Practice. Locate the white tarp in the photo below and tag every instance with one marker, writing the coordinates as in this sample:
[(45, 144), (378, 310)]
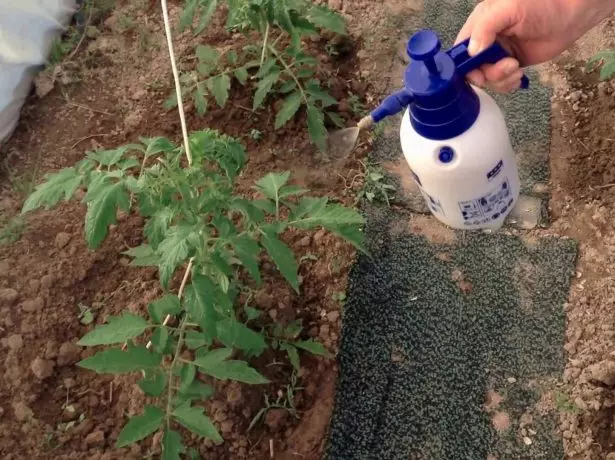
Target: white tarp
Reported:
[(27, 29)]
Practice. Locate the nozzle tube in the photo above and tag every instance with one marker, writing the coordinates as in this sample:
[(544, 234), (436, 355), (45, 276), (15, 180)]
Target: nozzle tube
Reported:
[(392, 105)]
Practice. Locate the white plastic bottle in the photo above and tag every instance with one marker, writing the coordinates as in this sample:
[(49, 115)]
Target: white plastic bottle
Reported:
[(454, 136)]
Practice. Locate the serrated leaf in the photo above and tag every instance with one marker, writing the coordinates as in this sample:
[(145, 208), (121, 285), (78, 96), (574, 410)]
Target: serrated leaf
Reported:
[(231, 57), (102, 212), (247, 251), (239, 371), (241, 74), (291, 190), (172, 445), (187, 16), (608, 69), (193, 454), (316, 348), (247, 208), (316, 127), (114, 361), (220, 87), (168, 304), (197, 422), (203, 299), (266, 67), (170, 102), (318, 94), (293, 355), (329, 216), (207, 54), (153, 384), (282, 16), (141, 426), (264, 88), (305, 73), (58, 186), (206, 15), (212, 358), (283, 257), (119, 329), (265, 205), (143, 256), (270, 184), (174, 250), (324, 18), (157, 145), (157, 225), (234, 334), (200, 102), (289, 109), (196, 339)]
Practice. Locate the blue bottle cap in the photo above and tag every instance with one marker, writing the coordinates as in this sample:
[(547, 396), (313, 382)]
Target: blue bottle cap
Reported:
[(442, 103)]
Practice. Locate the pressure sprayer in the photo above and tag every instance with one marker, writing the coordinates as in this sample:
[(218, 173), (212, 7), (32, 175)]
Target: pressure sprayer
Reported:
[(453, 135)]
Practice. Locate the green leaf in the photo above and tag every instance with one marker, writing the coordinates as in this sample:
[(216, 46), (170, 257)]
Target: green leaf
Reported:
[(116, 361), (247, 251), (283, 257), (318, 94), (270, 184), (212, 358), (267, 67), (102, 211), (231, 57), (186, 376), (336, 119), (143, 256), (207, 54), (330, 216), (205, 302), (168, 304), (197, 390), (56, 186), (141, 426), (197, 422), (291, 190), (172, 445), (264, 88), (316, 348), (174, 250), (187, 15), (247, 208), (220, 87), (325, 18), (241, 74), (251, 313), (608, 69), (171, 102), (157, 226), (196, 339), (234, 370), (119, 329), (160, 339), (200, 102), (288, 109), (282, 16), (234, 334), (154, 383), (288, 86), (157, 145), (316, 127), (292, 353), (206, 15), (193, 454)]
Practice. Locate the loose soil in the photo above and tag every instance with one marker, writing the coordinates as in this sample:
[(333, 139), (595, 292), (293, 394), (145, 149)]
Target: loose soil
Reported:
[(112, 94)]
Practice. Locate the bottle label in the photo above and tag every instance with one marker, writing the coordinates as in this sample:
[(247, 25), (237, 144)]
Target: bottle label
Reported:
[(434, 204), (488, 207)]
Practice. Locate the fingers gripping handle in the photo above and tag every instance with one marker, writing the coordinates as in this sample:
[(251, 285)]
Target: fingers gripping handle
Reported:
[(466, 63)]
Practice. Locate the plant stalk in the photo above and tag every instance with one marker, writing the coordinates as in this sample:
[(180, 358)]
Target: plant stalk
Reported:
[(289, 71)]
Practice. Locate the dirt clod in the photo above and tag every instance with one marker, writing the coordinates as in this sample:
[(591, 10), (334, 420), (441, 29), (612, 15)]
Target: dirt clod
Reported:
[(22, 411), (15, 341), (276, 418), (42, 368), (8, 296), (602, 372), (33, 305), (62, 240), (95, 438), (69, 353)]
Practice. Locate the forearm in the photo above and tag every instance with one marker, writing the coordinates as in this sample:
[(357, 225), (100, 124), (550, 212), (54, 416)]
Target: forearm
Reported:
[(589, 13)]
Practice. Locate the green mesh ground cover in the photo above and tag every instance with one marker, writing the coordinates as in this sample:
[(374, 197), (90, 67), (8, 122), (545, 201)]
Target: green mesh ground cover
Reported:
[(430, 329), (419, 353)]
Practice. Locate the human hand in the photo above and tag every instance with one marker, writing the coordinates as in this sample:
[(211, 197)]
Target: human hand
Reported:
[(533, 31)]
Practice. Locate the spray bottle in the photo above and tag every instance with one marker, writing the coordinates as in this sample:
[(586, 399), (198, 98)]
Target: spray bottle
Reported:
[(454, 136)]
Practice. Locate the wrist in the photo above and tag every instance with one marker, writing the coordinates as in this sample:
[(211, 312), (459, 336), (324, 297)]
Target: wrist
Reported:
[(587, 14)]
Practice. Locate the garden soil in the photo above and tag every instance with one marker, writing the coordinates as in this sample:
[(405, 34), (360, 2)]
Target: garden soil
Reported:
[(113, 92)]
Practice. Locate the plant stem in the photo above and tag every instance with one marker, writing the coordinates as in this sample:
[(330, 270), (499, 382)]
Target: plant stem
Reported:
[(265, 44), (289, 71), (178, 90)]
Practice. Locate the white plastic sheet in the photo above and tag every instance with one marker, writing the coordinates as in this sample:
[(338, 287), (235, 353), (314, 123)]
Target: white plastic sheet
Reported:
[(27, 30)]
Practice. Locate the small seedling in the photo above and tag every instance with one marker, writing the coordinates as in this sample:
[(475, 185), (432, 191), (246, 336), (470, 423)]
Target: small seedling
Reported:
[(375, 186), (11, 230), (86, 315), (606, 60), (356, 106), (285, 400), (564, 404), (339, 296), (256, 134)]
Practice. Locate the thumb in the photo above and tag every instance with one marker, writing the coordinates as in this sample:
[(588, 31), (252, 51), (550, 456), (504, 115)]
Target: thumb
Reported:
[(488, 20)]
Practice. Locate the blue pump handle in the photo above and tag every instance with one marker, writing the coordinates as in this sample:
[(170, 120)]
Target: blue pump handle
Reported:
[(465, 63)]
